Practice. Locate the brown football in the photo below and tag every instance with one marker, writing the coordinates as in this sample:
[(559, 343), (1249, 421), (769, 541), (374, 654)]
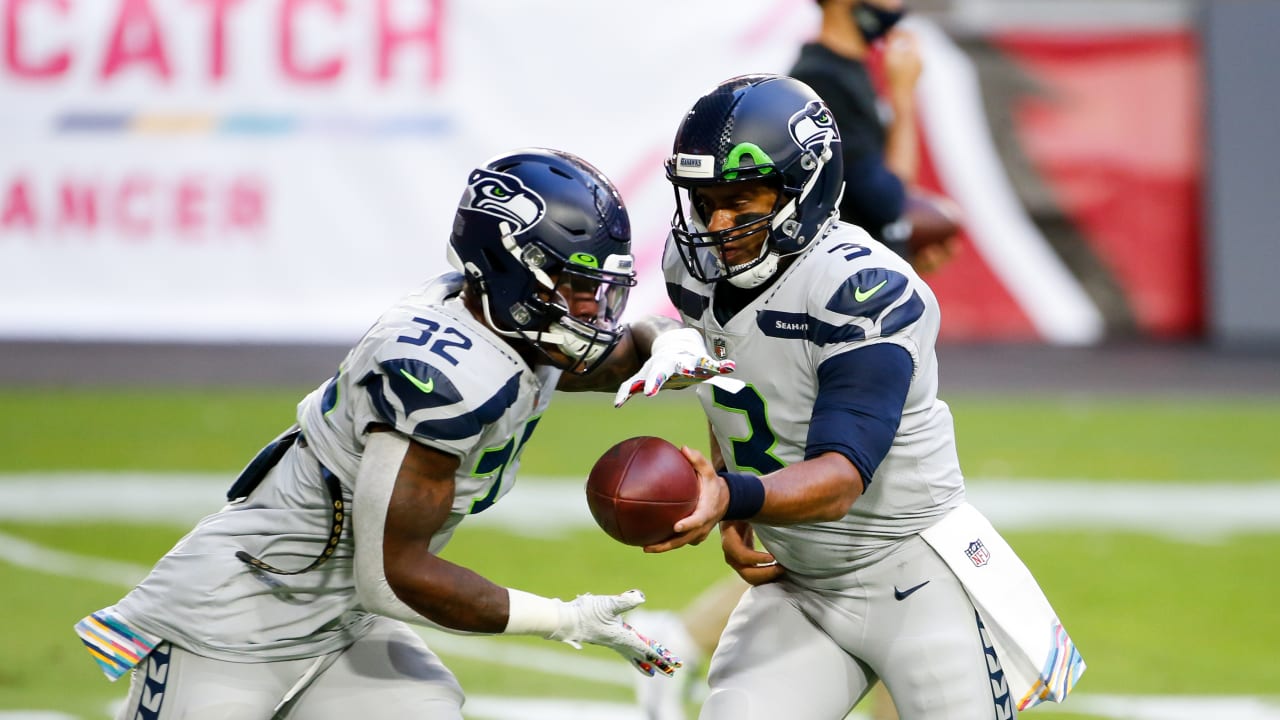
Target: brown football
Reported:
[(934, 219), (639, 488)]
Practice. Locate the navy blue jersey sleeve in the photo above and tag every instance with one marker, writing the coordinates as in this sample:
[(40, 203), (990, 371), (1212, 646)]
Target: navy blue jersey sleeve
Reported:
[(861, 394), (873, 195)]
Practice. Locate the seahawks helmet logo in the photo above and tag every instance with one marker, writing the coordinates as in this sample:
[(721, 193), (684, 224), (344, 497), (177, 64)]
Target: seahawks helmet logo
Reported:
[(504, 197), (814, 128)]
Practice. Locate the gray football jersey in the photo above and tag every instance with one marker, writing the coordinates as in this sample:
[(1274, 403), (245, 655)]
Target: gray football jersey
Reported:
[(845, 292), (429, 369)]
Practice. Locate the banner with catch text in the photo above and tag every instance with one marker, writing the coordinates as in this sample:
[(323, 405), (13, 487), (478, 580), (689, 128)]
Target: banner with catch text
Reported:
[(282, 170)]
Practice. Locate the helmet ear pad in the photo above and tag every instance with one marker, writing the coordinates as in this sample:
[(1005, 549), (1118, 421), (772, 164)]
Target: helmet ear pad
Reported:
[(529, 220)]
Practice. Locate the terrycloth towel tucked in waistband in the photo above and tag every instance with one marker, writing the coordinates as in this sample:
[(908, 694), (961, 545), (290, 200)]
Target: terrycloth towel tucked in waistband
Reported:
[(1039, 659)]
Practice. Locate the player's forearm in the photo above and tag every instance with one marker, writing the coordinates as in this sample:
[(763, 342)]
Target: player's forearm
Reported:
[(902, 143), (625, 360), (821, 489), (647, 329), (449, 595), (403, 495), (454, 598)]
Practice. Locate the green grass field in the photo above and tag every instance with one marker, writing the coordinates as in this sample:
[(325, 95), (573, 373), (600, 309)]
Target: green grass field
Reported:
[(1151, 615)]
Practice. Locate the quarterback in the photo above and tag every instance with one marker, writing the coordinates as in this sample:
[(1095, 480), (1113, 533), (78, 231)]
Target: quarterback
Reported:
[(837, 454)]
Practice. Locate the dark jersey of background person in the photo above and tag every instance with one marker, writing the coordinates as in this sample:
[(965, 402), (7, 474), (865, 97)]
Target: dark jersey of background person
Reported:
[(874, 197)]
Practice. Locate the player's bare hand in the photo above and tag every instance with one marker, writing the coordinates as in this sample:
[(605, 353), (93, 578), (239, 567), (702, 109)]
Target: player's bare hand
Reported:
[(902, 62), (933, 257), (679, 359), (738, 543), (713, 500)]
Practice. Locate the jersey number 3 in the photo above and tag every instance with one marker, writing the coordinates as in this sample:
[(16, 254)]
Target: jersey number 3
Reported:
[(752, 452)]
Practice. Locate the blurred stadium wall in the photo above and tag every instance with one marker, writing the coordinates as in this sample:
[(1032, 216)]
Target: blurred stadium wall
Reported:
[(278, 171)]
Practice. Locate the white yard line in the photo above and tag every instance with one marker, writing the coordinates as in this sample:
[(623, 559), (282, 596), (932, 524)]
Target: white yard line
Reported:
[(23, 553), (543, 507), (546, 506)]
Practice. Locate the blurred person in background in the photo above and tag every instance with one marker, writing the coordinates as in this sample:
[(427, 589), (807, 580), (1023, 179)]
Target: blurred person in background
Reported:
[(880, 149), (879, 133), (294, 598)]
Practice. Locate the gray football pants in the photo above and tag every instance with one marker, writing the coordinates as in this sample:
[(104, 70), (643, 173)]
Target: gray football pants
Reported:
[(388, 674), (792, 652)]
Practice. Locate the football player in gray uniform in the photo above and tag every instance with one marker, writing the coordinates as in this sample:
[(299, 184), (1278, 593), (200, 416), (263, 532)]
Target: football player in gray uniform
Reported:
[(292, 600), (837, 454)]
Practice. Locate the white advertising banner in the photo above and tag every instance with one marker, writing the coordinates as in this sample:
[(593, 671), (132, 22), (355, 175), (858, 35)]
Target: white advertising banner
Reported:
[(282, 170)]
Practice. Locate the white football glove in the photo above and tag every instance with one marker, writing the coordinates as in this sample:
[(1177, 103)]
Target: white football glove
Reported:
[(677, 360), (595, 619)]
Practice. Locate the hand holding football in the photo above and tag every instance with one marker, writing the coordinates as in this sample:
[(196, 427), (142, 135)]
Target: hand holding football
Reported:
[(934, 224), (934, 219), (639, 488)]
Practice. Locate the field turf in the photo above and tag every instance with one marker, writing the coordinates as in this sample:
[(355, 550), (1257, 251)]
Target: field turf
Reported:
[(1151, 615)]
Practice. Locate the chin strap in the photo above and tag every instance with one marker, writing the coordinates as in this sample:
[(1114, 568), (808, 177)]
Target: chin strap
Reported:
[(576, 347), (758, 274)]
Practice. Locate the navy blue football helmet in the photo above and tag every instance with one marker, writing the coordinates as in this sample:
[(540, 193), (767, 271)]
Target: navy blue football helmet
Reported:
[(533, 225), (756, 127)]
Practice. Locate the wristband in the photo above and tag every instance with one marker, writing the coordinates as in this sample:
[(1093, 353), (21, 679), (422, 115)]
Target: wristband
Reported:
[(531, 614), (746, 494)]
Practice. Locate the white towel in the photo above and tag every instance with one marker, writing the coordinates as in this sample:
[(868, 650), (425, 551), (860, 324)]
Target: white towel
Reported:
[(1039, 660)]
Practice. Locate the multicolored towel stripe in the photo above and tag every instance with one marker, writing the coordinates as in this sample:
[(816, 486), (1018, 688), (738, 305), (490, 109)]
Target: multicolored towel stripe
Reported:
[(116, 646), (248, 124), (1060, 672)]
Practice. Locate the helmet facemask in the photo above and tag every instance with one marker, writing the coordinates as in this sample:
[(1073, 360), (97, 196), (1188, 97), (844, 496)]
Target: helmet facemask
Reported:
[(543, 316), (702, 250), (755, 127), (584, 342)]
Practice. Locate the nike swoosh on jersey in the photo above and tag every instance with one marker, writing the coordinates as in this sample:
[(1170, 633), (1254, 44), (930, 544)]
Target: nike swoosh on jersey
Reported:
[(902, 594), (861, 295), (425, 387)]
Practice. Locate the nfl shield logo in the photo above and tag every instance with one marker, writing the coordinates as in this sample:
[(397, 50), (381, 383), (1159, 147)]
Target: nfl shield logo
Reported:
[(720, 348), (978, 553)]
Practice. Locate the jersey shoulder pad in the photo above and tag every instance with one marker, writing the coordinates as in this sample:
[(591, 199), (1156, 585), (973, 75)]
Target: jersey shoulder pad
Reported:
[(863, 288), (434, 380)]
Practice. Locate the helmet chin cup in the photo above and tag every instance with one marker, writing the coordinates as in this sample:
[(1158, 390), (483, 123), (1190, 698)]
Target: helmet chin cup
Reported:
[(584, 345), (757, 274)]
